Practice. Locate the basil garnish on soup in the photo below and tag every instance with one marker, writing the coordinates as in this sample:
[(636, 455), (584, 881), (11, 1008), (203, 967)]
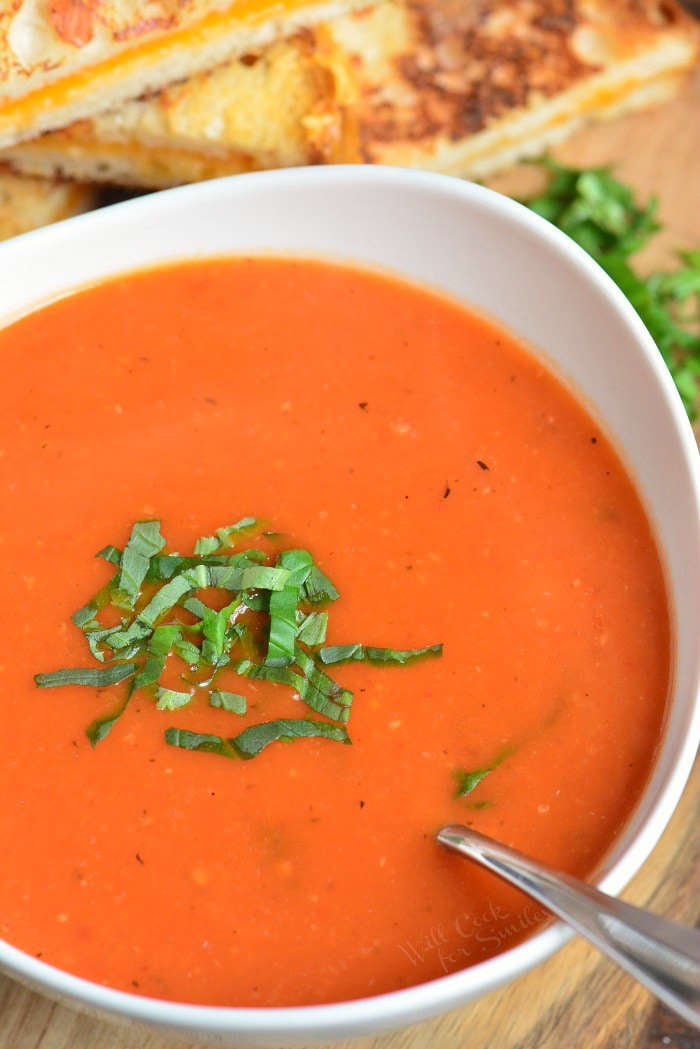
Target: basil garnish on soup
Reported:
[(180, 627)]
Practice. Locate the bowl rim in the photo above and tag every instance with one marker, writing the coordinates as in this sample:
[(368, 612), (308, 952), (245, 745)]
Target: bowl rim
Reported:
[(397, 1008)]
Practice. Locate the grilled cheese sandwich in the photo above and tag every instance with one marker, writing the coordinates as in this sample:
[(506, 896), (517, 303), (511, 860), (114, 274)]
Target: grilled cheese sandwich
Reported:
[(62, 60), (26, 203), (457, 87)]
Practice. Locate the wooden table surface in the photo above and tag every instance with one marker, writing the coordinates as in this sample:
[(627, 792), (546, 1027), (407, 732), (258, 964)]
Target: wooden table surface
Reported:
[(576, 1000)]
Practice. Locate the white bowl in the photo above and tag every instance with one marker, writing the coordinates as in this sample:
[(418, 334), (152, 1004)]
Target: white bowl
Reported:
[(498, 256)]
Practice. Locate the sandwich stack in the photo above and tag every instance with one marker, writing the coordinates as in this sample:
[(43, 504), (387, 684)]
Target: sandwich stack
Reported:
[(153, 93)]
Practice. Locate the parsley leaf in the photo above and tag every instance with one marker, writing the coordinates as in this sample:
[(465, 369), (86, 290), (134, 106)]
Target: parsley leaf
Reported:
[(602, 215)]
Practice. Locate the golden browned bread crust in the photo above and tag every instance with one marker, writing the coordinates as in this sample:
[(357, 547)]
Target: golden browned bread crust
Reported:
[(458, 87), (62, 60), (281, 106), (26, 203), (454, 86)]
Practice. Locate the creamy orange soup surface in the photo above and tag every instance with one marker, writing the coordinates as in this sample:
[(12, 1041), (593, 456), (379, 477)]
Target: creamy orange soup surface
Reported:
[(454, 492)]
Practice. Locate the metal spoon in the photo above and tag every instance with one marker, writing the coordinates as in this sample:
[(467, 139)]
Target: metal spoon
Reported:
[(662, 955)]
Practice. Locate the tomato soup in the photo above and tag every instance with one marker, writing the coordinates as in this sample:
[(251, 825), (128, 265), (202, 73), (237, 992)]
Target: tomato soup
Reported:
[(454, 492)]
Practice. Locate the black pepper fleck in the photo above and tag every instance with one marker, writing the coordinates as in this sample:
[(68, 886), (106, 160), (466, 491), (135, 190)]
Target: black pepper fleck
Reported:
[(481, 464)]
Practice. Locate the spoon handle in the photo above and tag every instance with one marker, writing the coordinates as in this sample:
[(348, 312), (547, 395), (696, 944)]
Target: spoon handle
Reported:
[(662, 955)]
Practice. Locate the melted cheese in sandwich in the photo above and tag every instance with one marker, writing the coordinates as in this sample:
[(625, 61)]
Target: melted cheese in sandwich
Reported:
[(146, 65)]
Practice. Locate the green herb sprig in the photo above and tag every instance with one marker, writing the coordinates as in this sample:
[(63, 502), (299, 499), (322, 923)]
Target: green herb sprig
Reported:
[(602, 215), (247, 612), (468, 780)]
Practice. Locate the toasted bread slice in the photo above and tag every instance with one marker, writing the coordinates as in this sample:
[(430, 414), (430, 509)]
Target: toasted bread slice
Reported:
[(278, 108), (26, 203), (453, 86), (466, 89), (62, 60)]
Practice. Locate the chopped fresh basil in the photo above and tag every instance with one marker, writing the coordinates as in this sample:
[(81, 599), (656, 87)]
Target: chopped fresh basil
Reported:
[(101, 727), (369, 654), (311, 629), (144, 542), (283, 607), (165, 566), (124, 637), (231, 701), (225, 577), (257, 602), (211, 614), (341, 654), (110, 553), (319, 691), (163, 639), (245, 525), (86, 615), (170, 700), (188, 652), (97, 637), (217, 638), (200, 741), (261, 577), (208, 544), (95, 677), (318, 588), (195, 606), (165, 599), (160, 645), (151, 671), (280, 675), (251, 741), (468, 780)]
